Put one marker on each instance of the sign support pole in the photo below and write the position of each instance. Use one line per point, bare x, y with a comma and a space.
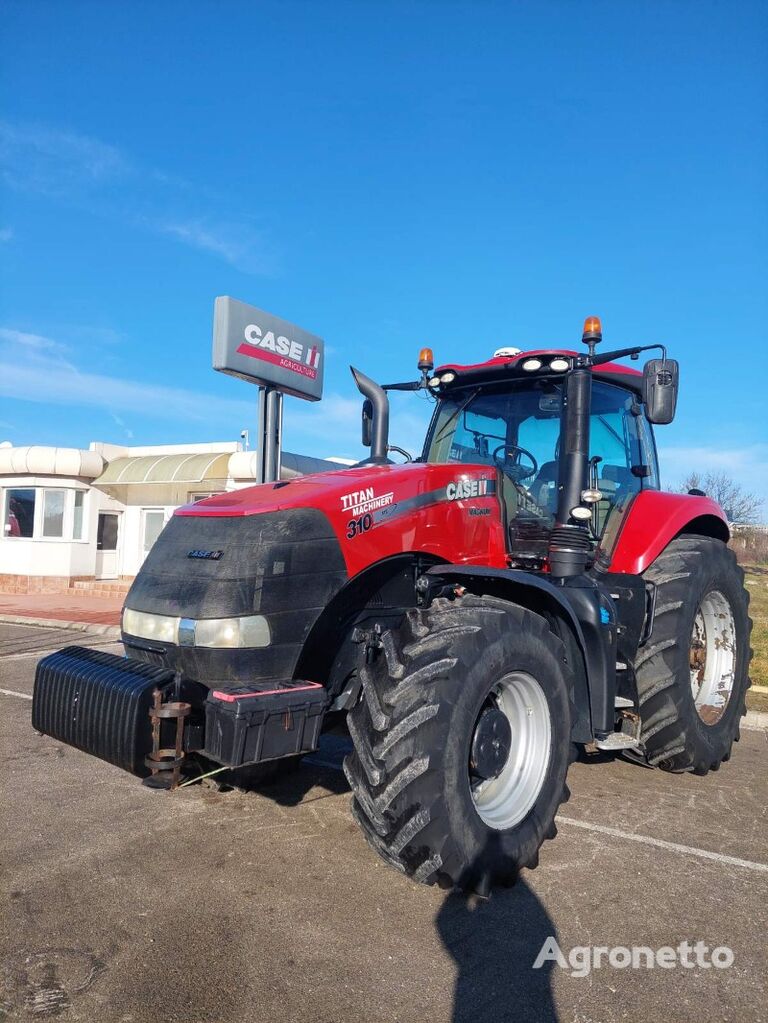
273, 429
261, 434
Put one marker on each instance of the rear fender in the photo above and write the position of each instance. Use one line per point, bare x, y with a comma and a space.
592, 680
647, 524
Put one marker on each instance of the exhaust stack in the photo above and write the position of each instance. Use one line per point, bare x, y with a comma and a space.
380, 426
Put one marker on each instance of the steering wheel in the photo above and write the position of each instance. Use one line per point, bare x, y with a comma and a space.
510, 464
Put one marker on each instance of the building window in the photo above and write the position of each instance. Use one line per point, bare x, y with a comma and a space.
77, 516
19, 518
53, 513
37, 513
154, 520
106, 533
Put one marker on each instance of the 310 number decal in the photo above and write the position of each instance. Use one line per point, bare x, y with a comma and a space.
357, 526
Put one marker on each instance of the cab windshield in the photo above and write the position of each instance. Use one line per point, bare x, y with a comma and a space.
516, 428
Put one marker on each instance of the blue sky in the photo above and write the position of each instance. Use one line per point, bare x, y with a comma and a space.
387, 175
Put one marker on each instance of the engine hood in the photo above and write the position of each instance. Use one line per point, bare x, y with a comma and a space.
285, 550
319, 490
449, 511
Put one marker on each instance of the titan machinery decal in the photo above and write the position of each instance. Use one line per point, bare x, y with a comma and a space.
361, 504
361, 501
370, 509
257, 346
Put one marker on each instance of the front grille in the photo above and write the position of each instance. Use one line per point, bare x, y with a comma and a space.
285, 565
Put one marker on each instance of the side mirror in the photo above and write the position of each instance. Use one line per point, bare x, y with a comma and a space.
367, 420
660, 383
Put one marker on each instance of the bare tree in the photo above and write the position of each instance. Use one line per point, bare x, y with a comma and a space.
737, 503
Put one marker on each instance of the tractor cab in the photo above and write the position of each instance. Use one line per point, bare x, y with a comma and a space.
509, 414
568, 435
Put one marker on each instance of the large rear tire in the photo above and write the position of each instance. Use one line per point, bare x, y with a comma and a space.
462, 742
692, 676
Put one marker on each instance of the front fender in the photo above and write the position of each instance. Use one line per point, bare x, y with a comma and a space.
590, 643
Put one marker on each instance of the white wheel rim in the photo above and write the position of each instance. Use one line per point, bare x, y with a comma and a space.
713, 657
503, 801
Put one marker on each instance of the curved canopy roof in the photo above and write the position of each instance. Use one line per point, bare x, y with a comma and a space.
179, 468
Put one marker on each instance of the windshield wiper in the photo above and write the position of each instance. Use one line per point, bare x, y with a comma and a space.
458, 411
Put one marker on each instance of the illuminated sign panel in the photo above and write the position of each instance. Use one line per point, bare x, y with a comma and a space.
257, 346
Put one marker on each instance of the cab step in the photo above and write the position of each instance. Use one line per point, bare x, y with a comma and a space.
617, 741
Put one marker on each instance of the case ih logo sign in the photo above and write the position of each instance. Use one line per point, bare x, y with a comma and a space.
280, 350
256, 346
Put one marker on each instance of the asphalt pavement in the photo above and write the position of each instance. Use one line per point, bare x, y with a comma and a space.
124, 905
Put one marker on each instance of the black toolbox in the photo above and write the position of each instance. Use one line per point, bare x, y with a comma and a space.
263, 721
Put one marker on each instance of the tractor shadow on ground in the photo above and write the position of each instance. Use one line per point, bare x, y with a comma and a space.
289, 783
294, 788
494, 943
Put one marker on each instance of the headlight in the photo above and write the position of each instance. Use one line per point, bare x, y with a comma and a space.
160, 627
246, 631
250, 631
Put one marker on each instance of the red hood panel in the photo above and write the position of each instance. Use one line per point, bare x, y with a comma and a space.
448, 511
315, 491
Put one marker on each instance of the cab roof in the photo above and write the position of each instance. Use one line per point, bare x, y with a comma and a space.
502, 366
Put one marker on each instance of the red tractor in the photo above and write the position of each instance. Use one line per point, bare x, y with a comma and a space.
521, 589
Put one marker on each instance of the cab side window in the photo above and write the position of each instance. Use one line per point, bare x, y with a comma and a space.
620, 439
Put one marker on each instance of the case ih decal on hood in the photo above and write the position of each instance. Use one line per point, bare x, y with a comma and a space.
456, 490
469, 488
280, 350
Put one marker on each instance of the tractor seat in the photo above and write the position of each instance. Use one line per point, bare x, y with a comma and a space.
543, 489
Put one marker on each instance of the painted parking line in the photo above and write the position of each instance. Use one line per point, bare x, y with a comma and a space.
659, 843
21, 655
12, 692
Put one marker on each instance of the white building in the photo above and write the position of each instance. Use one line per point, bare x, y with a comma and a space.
75, 518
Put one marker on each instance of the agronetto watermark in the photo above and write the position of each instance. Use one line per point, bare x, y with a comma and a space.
582, 959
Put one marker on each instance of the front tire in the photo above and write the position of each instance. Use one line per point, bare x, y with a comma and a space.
462, 742
692, 676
